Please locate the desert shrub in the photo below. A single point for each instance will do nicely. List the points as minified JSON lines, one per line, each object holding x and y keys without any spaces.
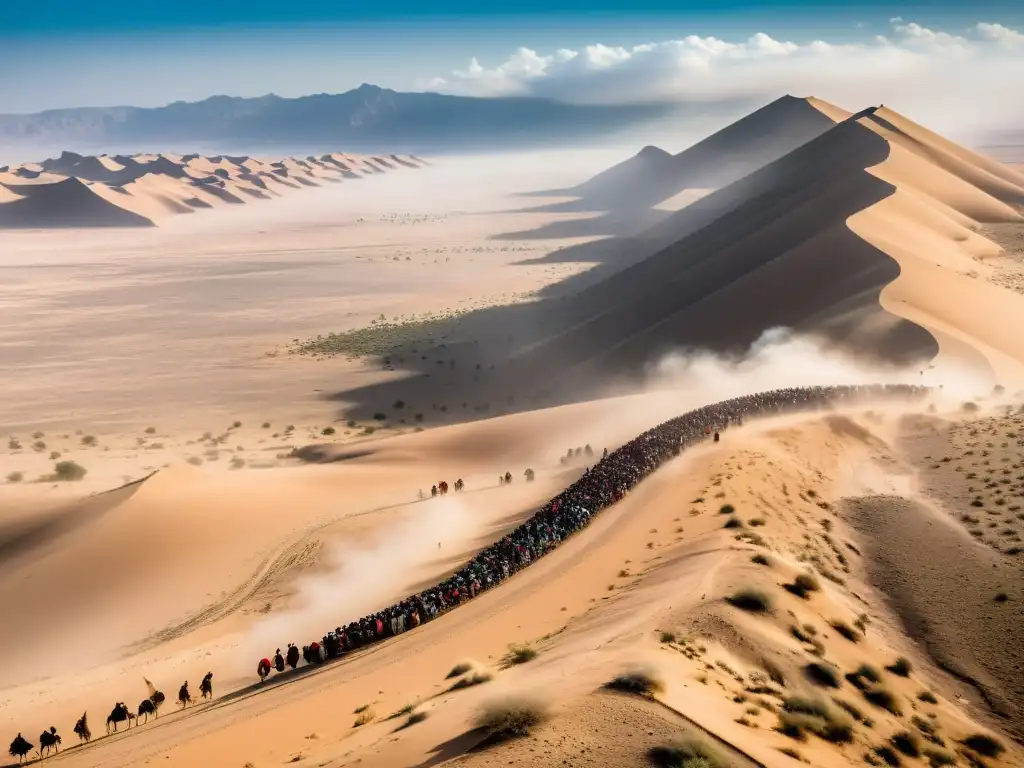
{"x":415,"y":717}
{"x":823,"y":674}
{"x":725,"y":509}
{"x":460,"y":668}
{"x":38,"y":446}
{"x":760,"y":560}
{"x":864,"y":675}
{"x":733,"y":522}
{"x":364,"y":715}
{"x":801,"y":714}
{"x":845,"y":630}
{"x":938,"y":757}
{"x":901,"y":667}
{"x":906,"y":742}
{"x":799,"y":634}
{"x":775,"y":673}
{"x":236,"y":424}
{"x":790,"y":752}
{"x":15,"y":477}
{"x":668,"y":637}
{"x":643,"y":682}
{"x":851,"y":709}
{"x":970,"y":406}
{"x":266,"y":425}
{"x":757,"y":522}
{"x":327,"y":431}
{"x":380,"y":416}
{"x":519,"y":654}
{"x":751,"y":599}
{"x":89,"y":440}
{"x":803,"y":584}
{"x":510,"y":717}
{"x":687,"y":753}
{"x":195,"y":461}
{"x":928,"y":697}
{"x":68,"y":471}
{"x":150,"y":430}
{"x":984,"y":744}
{"x":477,"y":677}
{"x":237,"y":462}
{"x":882,"y":697}
{"x":54,"y":455}
{"x":888,"y":755}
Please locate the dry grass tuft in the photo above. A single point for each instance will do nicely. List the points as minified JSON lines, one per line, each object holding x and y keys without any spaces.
{"x":643,"y":682}
{"x":461,"y":668}
{"x":751,"y":599}
{"x":802,"y":715}
{"x":519,"y":654}
{"x":686,"y":753}
{"x":984,"y":744}
{"x":511,"y":717}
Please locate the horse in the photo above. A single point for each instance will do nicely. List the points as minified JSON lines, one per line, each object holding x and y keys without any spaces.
{"x":119,"y":714}
{"x":82,"y":728}
{"x":263,"y":669}
{"x":19,"y":748}
{"x":206,"y":687}
{"x":146,"y":708}
{"x":49,"y":740}
{"x":184,"y":697}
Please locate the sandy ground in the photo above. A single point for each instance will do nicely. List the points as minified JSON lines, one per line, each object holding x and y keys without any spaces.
{"x":273,"y":516}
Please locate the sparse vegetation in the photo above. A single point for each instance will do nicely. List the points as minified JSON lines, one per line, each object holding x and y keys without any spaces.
{"x":476,"y":677}
{"x":901,"y":667}
{"x":984,"y":744}
{"x":751,"y":599}
{"x":928,"y":697}
{"x":802,"y":714}
{"x":460,"y":668}
{"x":864,"y":676}
{"x":15,"y":477}
{"x":364,"y":715}
{"x":845,"y":630}
{"x":643,"y":682}
{"x":414,"y":718}
{"x":803,"y":585}
{"x":908,"y":743}
{"x":760,"y":559}
{"x":938,"y":757}
{"x":327,"y":431}
{"x":668,"y":637}
{"x":511,"y":717}
{"x":89,"y":440}
{"x":725,"y":509}
{"x":733,"y":522}
{"x":688,"y":753}
{"x":823,"y":674}
{"x":519,"y":654}
{"x":67,"y":471}
{"x":882,"y":697}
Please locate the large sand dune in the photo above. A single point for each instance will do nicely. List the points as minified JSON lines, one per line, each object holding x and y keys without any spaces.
{"x":75,"y":190}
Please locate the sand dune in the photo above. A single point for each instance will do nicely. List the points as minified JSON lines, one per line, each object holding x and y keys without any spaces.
{"x":740,"y":148}
{"x":142,"y":190}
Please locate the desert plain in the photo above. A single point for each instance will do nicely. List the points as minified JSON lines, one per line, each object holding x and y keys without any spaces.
{"x":220,"y":427}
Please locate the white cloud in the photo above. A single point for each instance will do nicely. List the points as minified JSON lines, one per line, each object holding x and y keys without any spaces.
{"x":913,"y":66}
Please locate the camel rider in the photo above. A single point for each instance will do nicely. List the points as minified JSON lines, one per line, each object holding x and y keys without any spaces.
{"x":279,"y":661}
{"x":293,"y":656}
{"x":433,"y":490}
{"x":716,"y":437}
{"x":263,"y":669}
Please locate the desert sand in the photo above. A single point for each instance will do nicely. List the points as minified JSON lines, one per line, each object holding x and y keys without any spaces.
{"x":259,"y":393}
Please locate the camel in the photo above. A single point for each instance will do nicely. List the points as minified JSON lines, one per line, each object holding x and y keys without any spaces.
{"x":19,"y":748}
{"x":147,"y":708}
{"x":184,"y":697}
{"x":155,"y":696}
{"x":508,"y":478}
{"x":82,"y":728}
{"x":206,"y":687}
{"x":293,"y":656}
{"x":49,"y":740}
{"x":278,"y":661}
{"x":263,"y":669}
{"x":119,"y":714}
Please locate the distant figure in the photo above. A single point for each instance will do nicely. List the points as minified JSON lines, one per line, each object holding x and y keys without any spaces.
{"x":184,"y":697}
{"x":206,"y":687}
{"x":716,"y":437}
{"x":119,"y":714}
{"x":146,"y":708}
{"x":605,"y":455}
{"x":528,"y":474}
{"x":82,"y":728}
{"x":20,"y":748}
{"x":508,"y":478}
{"x":263,"y":669}
{"x":433,"y":491}
{"x":49,"y":740}
{"x":293,"y":656}
{"x":278,"y":661}
{"x":421,"y":495}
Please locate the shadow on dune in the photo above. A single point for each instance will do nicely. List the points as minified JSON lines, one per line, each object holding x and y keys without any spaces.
{"x":770,"y":250}
{"x":20,"y":537}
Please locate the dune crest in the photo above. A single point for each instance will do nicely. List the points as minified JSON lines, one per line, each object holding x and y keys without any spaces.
{"x":142,"y":190}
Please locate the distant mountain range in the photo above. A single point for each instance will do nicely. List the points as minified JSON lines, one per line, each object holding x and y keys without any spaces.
{"x":367,"y":118}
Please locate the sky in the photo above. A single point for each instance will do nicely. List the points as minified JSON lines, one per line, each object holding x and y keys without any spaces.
{"x":64,"y":53}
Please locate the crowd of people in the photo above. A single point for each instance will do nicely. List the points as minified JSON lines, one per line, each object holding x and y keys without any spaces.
{"x":601,"y":485}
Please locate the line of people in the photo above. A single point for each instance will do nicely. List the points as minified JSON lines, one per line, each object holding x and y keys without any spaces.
{"x":600,"y":486}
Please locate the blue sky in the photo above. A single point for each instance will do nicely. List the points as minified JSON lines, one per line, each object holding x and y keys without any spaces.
{"x":58,"y":53}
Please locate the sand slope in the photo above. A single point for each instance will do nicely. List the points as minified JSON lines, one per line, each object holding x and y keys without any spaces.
{"x":727,"y":155}
{"x":142,"y":190}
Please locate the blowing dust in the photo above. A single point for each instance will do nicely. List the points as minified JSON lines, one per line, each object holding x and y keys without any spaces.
{"x":361,"y":578}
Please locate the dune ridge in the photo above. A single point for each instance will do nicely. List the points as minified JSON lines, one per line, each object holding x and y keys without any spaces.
{"x":73,"y":190}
